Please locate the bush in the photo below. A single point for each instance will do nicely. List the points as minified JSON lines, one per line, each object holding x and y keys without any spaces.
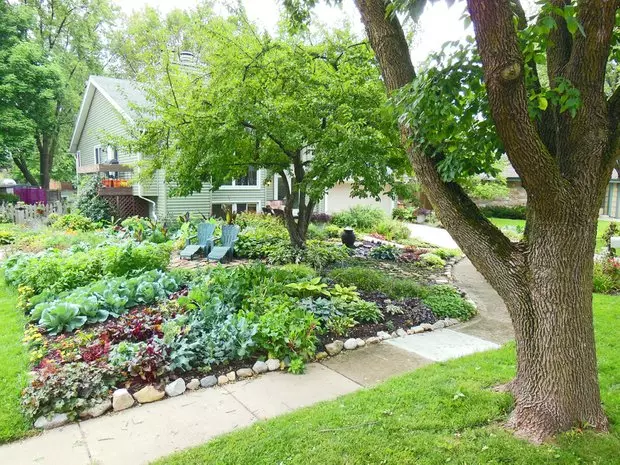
{"x":145,"y":229}
{"x":131,"y":259}
{"x":404,"y":213}
{"x":446,"y":302}
{"x":370,"y":280}
{"x":393,"y":230}
{"x":385,"y":252}
{"x":362,"y":217}
{"x":447,"y":253}
{"x":431,"y":260}
{"x":7,"y":237}
{"x":9,"y":198}
{"x":511,"y":213}
{"x":73,"y":222}
{"x":320,"y":218}
{"x":90,"y":203}
{"x":606,"y":277}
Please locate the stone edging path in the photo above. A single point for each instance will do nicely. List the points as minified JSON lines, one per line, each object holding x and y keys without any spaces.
{"x":142,"y":434}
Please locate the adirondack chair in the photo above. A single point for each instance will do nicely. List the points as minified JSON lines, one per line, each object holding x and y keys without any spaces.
{"x":205,"y":241}
{"x":227,"y":244}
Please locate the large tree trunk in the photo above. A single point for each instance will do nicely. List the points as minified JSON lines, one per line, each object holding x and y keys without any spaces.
{"x":46,"y":146}
{"x":545,"y":280}
{"x":556,"y":386}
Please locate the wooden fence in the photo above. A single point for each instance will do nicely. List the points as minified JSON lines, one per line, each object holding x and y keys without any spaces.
{"x":21,"y":213}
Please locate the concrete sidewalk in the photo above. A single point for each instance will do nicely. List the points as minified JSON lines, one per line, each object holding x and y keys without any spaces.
{"x":435,"y":236}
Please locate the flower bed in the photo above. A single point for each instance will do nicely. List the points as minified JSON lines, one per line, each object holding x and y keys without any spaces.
{"x":229,"y":319}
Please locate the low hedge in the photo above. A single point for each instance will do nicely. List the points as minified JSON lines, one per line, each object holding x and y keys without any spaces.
{"x":511,"y":213}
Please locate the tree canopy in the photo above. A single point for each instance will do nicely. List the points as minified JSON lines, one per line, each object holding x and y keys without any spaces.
{"x":51,"y":48}
{"x":312,"y":110}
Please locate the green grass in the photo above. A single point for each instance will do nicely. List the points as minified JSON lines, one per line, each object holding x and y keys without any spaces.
{"x":443,"y":413}
{"x":602,"y":227}
{"x":13,"y":367}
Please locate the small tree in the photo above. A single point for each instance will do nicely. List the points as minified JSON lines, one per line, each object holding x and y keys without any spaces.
{"x":313,"y":113}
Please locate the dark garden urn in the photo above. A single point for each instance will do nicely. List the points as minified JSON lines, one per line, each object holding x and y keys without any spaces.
{"x":348,"y":237}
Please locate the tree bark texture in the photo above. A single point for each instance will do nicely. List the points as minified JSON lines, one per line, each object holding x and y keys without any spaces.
{"x":23,"y":167}
{"x":546,"y":279}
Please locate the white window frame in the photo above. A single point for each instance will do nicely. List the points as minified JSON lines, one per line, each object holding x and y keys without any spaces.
{"x":259,"y":205}
{"x":233,"y":186}
{"x":97,"y":160}
{"x":78,"y":158}
{"x":114,"y":150}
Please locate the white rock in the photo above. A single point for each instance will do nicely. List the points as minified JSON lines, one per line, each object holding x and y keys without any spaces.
{"x":427,"y":326}
{"x":383,"y":335}
{"x":209,"y":381}
{"x":97,"y":410}
{"x":350,"y":344}
{"x":373,"y":340}
{"x":176,"y":388}
{"x":245,"y":373}
{"x":439,"y":325}
{"x":360,"y":342}
{"x":260,"y":367}
{"x":334,"y":348}
{"x":442,"y":281}
{"x":121,"y":400}
{"x":58,"y":419}
{"x":273,"y":364}
{"x":417,"y":329}
{"x":231,"y":376}
{"x":222,"y":379}
{"x":193,"y":384}
{"x":401,"y":332}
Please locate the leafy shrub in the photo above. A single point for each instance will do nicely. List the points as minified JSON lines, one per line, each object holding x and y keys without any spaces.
{"x":257,"y":220}
{"x":431,"y":260}
{"x":145,"y":229}
{"x":73,"y":222}
{"x":68,"y":388}
{"x":447,"y":253}
{"x":88,"y":201}
{"x":55,"y":239}
{"x":340,"y":324}
{"x":606,"y":277}
{"x":363,"y":217}
{"x":371,"y":280}
{"x":497,"y":211}
{"x":319,"y":254}
{"x":322,"y":308}
{"x":7,"y":237}
{"x":311,"y":288}
{"x":286,"y":330}
{"x":404,"y":213}
{"x":320,"y":218}
{"x":360,"y":310}
{"x":9,"y":198}
{"x":333,"y":231}
{"x":612,"y":230}
{"x":59,"y":271}
{"x":385,"y":252}
{"x":446,"y":302}
{"x":392,"y":230}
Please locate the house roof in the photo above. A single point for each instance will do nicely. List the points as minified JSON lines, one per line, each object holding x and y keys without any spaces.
{"x":123,"y":95}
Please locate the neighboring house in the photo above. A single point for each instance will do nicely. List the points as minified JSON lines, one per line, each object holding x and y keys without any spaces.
{"x":107,"y":105}
{"x":611,"y":201}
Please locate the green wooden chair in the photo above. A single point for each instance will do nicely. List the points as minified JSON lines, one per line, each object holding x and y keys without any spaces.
{"x":226,"y":249}
{"x":205,"y":242}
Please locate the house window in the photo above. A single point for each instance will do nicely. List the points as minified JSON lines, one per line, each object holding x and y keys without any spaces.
{"x":78,"y":158}
{"x":112,"y":154}
{"x":98,"y":154}
{"x":249,"y":180}
{"x":279,"y":190}
{"x":218,"y":210}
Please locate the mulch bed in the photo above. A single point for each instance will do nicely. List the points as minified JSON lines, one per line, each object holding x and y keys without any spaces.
{"x":415,"y":312}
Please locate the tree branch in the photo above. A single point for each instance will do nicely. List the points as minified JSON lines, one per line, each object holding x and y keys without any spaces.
{"x":613,"y":108}
{"x":23,"y":167}
{"x":560,"y":43}
{"x":508,"y":99}
{"x":276,"y":141}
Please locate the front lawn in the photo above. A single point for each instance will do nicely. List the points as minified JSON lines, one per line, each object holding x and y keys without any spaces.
{"x":520,"y":224}
{"x":443,"y":413}
{"x":13,"y":367}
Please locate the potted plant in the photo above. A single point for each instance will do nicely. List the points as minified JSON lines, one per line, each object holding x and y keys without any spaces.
{"x":421,"y":214}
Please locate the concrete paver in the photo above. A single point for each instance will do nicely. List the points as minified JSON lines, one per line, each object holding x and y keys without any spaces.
{"x":59,"y":446}
{"x":442,"y":344}
{"x":371,"y":365}
{"x":142,"y":434}
{"x":277,"y":393}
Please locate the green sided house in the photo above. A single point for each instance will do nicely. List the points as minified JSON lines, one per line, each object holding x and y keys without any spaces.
{"x":107,"y":105}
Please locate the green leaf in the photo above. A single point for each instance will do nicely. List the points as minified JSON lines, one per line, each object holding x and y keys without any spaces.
{"x":542,"y":103}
